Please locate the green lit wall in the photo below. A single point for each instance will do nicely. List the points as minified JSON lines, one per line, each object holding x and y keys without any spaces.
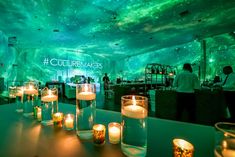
{"x":46,"y":64}
{"x":134,"y":67}
{"x":220,"y":51}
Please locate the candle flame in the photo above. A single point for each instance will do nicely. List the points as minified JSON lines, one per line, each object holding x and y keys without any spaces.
{"x":133,"y":100}
{"x":69,"y":116}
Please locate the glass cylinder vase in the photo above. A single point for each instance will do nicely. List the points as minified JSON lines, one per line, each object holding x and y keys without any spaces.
{"x":134,"y":112}
{"x":49,"y":105}
{"x":224,"y":139}
{"x":19,"y":98}
{"x":30,"y":98}
{"x":85,"y":110}
{"x":12,"y":92}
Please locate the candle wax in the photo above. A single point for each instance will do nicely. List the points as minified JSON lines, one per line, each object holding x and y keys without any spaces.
{"x":85,"y":96}
{"x":31,"y":91}
{"x":69,"y":122}
{"x":49,"y":98}
{"x":114,"y":134}
{"x":228,"y":153}
{"x":134,"y":111}
{"x":183,"y":144}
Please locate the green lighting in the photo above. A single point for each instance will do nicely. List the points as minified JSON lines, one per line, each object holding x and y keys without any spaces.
{"x":211,"y":60}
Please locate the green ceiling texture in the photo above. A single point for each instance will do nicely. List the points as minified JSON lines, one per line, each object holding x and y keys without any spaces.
{"x":126,"y":34}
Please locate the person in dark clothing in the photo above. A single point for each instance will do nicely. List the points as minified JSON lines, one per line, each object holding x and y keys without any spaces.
{"x":106,"y":84}
{"x":229,"y":90}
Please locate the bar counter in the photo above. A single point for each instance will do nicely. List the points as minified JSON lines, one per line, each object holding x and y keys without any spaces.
{"x":210,"y":106}
{"x":25,"y":137}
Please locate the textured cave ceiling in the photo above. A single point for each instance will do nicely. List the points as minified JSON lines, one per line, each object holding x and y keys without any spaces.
{"x":113,"y":28}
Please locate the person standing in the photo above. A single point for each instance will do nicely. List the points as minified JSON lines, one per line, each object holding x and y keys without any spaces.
{"x":106,"y":84}
{"x":229,"y":90}
{"x":186,"y":83}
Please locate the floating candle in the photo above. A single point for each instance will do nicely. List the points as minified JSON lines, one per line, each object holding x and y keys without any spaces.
{"x":134,"y":110}
{"x":85,"y":94}
{"x":30,"y":90}
{"x":50,"y":97}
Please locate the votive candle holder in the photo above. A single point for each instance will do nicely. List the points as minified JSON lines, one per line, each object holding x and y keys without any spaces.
{"x":99,"y":134}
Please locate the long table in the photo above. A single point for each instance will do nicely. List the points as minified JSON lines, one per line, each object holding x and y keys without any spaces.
{"x":25,"y":137}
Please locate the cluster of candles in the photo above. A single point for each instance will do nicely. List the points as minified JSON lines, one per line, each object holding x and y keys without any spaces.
{"x":180,"y":147}
{"x":114,"y":133}
{"x":59,"y":119}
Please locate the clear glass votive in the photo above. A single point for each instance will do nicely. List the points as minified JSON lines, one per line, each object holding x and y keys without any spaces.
{"x":182,"y":148}
{"x":49,"y":104}
{"x":30,"y":98}
{"x":38,"y":113}
{"x":99,"y":134}
{"x":114,"y":132}
{"x":12,"y":91}
{"x":68,"y":122}
{"x":85,"y":110}
{"x":58,"y":119}
{"x":224,"y":139}
{"x":134,"y":112}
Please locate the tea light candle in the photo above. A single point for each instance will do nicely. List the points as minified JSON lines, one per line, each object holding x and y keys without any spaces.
{"x":57,"y":119}
{"x":99,"y":134}
{"x":39,"y":114}
{"x":114,"y":132}
{"x":69,"y":122}
{"x":182,"y":148}
{"x":85,"y":94}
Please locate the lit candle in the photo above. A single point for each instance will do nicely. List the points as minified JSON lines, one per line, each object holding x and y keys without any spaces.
{"x":228,"y":153}
{"x":134,"y":111}
{"x":85,"y":94}
{"x":99,"y":134}
{"x":20,"y":91}
{"x":50,"y":97}
{"x":30,"y":90}
{"x":114,"y":132}
{"x":57,"y":119}
{"x":182,"y":148}
{"x":226,"y":148}
{"x":12,"y":92}
{"x":39,"y":114}
{"x":69,"y":121}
